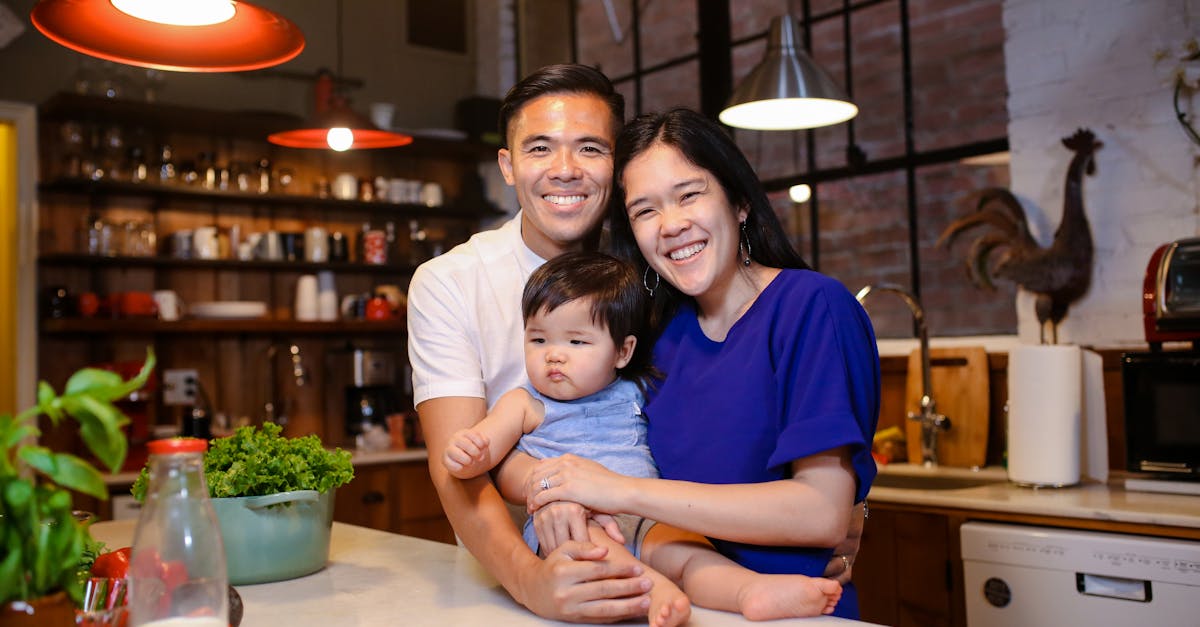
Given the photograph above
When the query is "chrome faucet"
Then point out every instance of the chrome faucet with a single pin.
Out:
(929, 418)
(273, 410)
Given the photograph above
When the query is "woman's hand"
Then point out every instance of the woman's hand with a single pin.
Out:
(572, 478)
(563, 521)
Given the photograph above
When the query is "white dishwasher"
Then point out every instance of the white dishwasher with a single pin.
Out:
(1018, 576)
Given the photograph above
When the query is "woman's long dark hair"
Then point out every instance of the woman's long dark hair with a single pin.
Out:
(706, 145)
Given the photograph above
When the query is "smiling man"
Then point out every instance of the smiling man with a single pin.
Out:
(465, 331)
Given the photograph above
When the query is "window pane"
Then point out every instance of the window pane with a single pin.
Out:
(668, 30)
(878, 81)
(959, 88)
(596, 43)
(676, 86)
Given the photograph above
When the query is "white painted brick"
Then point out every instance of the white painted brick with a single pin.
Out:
(1146, 189)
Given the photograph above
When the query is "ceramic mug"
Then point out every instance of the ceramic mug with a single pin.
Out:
(170, 307)
(316, 245)
(378, 308)
(205, 244)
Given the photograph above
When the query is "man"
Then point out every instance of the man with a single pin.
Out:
(559, 126)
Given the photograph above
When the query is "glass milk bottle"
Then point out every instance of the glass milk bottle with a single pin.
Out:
(177, 574)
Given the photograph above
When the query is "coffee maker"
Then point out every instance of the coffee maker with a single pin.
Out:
(364, 380)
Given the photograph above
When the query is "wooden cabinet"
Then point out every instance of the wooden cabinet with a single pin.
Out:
(909, 569)
(397, 497)
(89, 150)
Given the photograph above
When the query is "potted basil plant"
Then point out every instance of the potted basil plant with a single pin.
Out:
(43, 547)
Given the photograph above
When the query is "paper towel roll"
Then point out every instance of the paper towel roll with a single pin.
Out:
(1045, 401)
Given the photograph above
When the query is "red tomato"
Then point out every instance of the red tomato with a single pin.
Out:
(114, 564)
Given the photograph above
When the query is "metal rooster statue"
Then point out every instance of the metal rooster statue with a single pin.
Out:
(1060, 274)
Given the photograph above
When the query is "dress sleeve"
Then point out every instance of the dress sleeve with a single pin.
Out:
(444, 359)
(828, 381)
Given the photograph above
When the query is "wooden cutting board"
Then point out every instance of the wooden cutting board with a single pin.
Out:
(959, 378)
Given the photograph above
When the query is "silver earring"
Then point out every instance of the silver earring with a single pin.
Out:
(646, 281)
(746, 239)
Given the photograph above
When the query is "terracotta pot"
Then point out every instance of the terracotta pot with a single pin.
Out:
(49, 611)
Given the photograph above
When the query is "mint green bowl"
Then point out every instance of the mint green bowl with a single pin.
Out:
(276, 536)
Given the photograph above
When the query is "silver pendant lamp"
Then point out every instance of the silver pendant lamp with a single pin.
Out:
(787, 90)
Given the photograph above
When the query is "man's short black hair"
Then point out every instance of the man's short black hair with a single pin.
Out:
(566, 78)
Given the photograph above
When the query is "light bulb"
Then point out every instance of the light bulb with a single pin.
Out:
(800, 193)
(340, 138)
(178, 12)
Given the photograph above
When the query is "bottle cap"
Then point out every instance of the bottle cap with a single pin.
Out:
(177, 445)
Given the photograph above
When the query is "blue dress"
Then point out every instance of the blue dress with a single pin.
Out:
(796, 375)
(606, 427)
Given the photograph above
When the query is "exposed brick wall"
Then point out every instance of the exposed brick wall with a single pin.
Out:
(1073, 63)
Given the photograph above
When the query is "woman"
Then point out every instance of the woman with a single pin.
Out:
(762, 423)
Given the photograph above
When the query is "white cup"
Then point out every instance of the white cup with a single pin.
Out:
(327, 298)
(345, 186)
(316, 244)
(170, 307)
(269, 246)
(205, 243)
(382, 114)
(431, 195)
(306, 298)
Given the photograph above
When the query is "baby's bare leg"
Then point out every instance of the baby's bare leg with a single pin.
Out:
(717, 582)
(669, 606)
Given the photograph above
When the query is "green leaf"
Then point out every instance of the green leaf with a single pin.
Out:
(11, 582)
(76, 474)
(93, 381)
(40, 458)
(46, 402)
(100, 427)
(17, 496)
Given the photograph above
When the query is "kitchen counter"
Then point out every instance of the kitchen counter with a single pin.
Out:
(1088, 501)
(379, 578)
(359, 458)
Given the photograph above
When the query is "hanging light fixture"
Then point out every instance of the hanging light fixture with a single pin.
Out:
(333, 124)
(177, 35)
(787, 90)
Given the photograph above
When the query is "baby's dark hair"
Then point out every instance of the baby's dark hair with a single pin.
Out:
(618, 299)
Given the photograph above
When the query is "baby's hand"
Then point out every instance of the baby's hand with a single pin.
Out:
(466, 454)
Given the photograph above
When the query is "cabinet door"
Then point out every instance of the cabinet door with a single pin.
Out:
(418, 510)
(903, 572)
(364, 501)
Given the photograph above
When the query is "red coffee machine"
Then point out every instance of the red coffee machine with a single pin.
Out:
(1171, 294)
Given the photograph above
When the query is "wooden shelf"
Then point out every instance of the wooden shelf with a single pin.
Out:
(185, 193)
(260, 326)
(97, 261)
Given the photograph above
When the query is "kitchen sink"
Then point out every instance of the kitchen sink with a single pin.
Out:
(931, 482)
(917, 477)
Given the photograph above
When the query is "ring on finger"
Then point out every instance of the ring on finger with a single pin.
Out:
(545, 484)
(845, 562)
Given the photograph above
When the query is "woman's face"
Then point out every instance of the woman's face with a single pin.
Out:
(682, 221)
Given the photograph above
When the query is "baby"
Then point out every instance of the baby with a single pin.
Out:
(583, 313)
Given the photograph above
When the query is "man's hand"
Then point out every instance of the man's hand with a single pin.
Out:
(563, 521)
(466, 454)
(576, 584)
(841, 566)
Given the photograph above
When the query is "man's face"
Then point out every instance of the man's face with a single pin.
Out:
(559, 160)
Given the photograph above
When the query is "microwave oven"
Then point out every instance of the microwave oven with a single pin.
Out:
(1162, 413)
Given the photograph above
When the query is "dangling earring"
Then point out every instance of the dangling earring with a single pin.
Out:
(646, 281)
(746, 239)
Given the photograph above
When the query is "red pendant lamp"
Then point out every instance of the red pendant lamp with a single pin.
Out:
(333, 124)
(149, 33)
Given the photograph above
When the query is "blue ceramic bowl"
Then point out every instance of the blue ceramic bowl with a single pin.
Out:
(276, 536)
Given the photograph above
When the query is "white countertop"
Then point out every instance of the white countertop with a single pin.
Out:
(380, 578)
(1091, 501)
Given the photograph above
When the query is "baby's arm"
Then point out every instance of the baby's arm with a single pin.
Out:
(472, 452)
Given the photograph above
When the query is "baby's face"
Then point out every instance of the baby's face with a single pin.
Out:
(569, 356)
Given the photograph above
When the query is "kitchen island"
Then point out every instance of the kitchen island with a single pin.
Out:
(379, 578)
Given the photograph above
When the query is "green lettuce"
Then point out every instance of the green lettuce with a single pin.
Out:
(259, 461)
